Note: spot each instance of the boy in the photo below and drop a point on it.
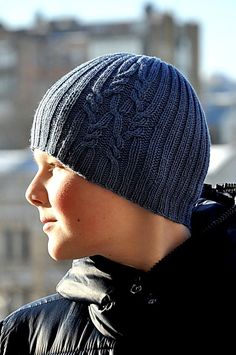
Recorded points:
(122, 148)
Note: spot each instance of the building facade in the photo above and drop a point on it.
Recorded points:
(31, 60)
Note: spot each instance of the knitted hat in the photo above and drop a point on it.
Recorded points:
(132, 124)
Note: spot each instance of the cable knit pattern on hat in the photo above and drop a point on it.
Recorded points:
(132, 124)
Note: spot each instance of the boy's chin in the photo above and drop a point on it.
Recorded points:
(58, 252)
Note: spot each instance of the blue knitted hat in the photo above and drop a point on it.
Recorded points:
(132, 124)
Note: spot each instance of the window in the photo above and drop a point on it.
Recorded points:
(8, 57)
(15, 244)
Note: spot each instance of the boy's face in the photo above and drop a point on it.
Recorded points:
(79, 217)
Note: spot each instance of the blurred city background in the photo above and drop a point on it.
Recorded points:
(42, 40)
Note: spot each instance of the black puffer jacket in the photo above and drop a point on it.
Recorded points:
(185, 304)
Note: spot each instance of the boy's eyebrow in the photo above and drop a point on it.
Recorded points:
(37, 160)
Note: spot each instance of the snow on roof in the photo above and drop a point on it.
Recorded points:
(16, 161)
(220, 155)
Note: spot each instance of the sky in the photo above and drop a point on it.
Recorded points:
(217, 20)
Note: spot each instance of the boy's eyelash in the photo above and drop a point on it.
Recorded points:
(55, 165)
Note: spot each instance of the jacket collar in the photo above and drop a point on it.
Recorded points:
(91, 279)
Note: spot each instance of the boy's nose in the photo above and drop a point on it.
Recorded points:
(36, 194)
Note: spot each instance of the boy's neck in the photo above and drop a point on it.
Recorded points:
(150, 241)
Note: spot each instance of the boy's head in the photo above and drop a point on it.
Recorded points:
(132, 124)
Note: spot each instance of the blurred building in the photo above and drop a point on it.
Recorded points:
(222, 167)
(220, 107)
(32, 59)
(29, 63)
(26, 270)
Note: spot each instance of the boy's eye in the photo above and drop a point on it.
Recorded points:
(53, 166)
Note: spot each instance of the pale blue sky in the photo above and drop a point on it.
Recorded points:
(216, 17)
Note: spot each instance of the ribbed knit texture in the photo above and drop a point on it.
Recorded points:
(132, 124)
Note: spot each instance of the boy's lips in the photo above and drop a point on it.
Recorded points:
(47, 223)
(45, 220)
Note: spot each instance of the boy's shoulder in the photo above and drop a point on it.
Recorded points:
(33, 323)
(33, 308)
(214, 225)
(44, 311)
(216, 208)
